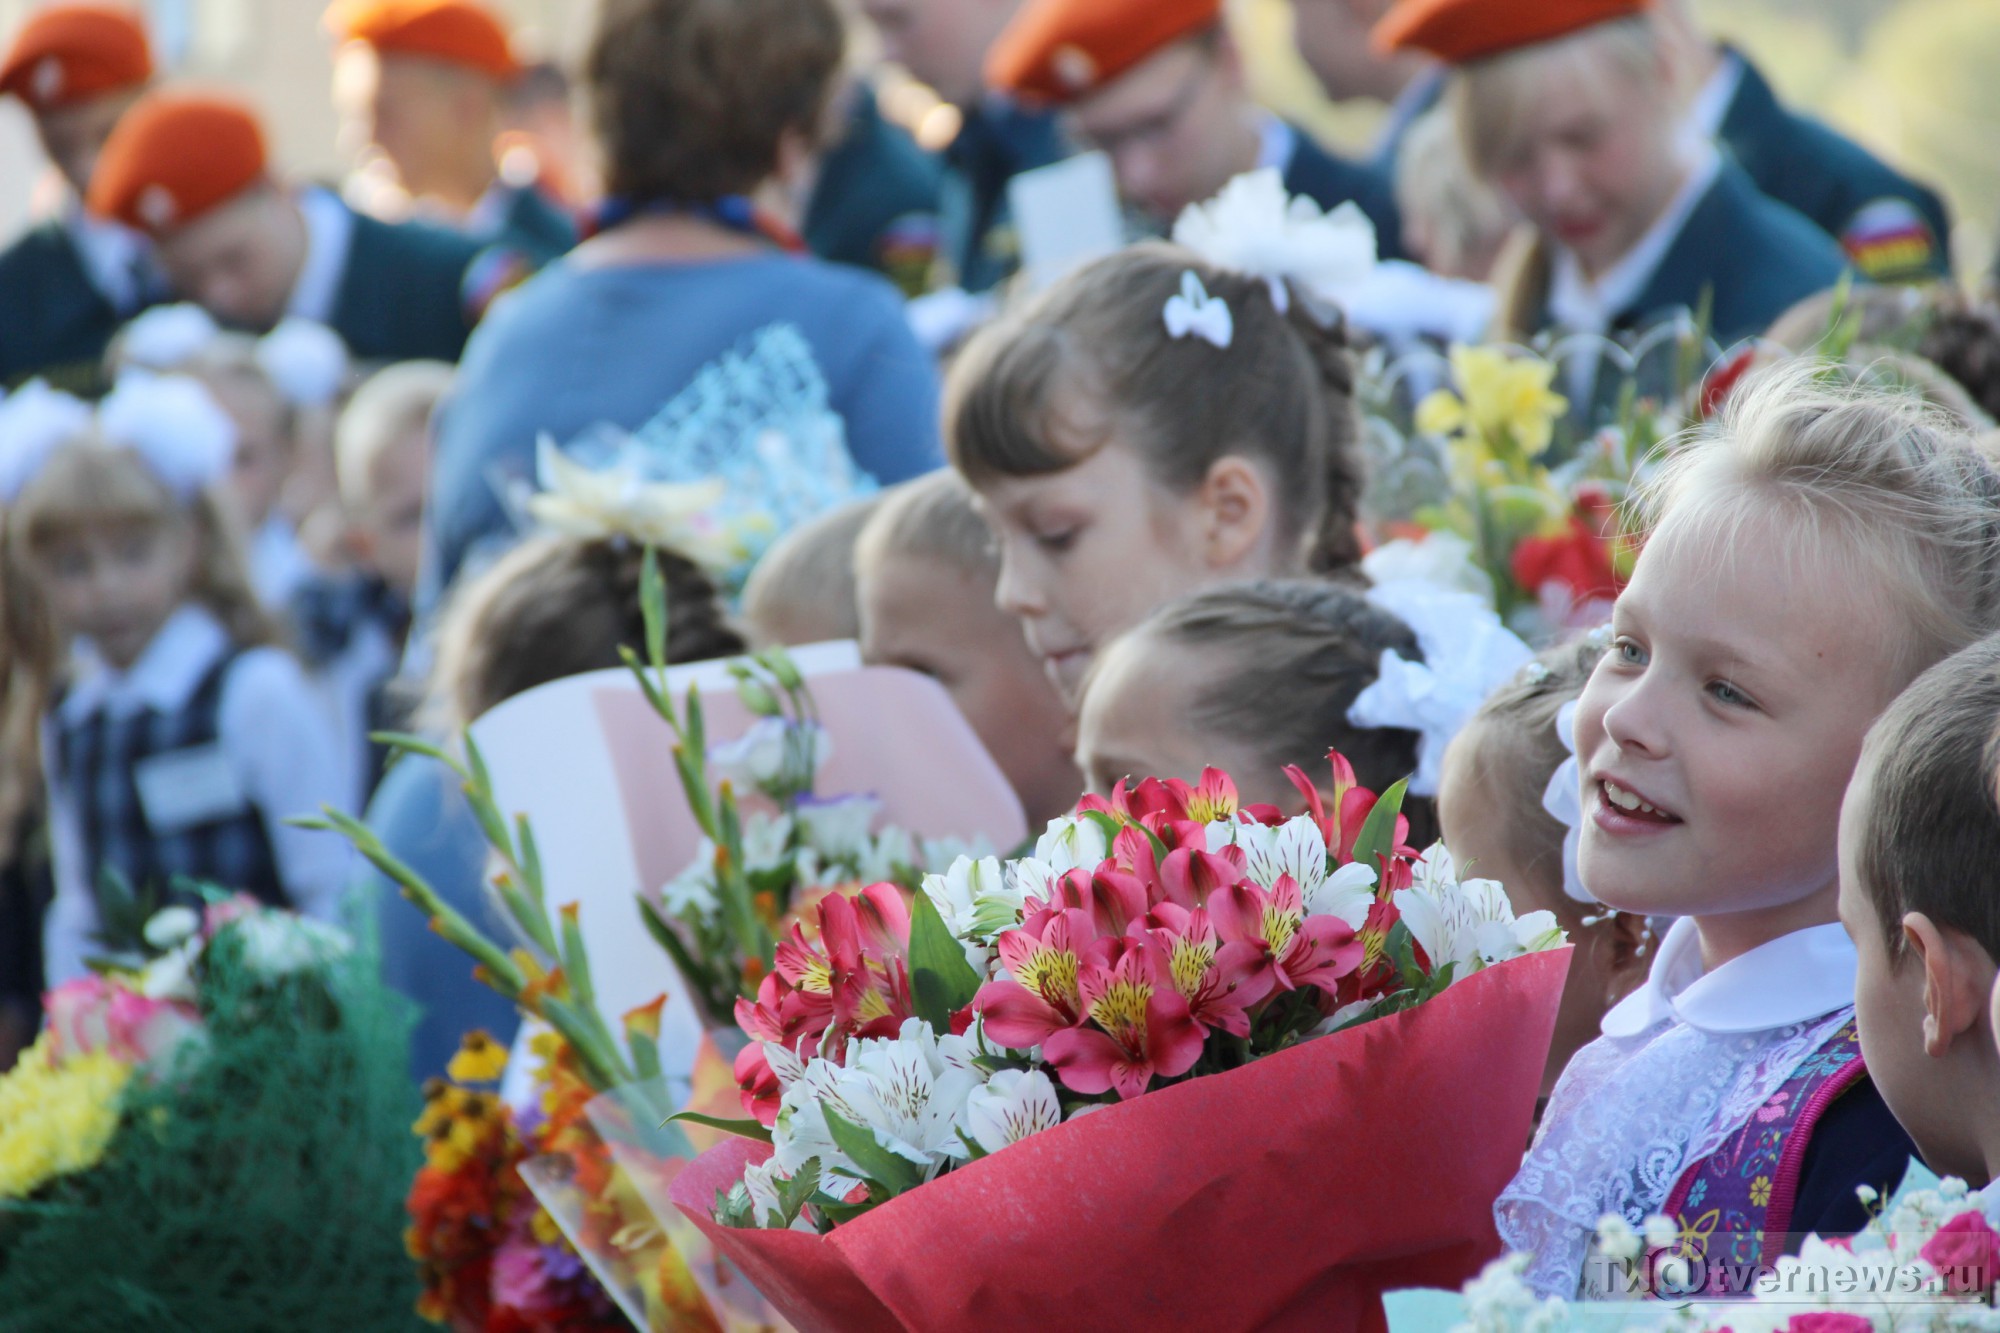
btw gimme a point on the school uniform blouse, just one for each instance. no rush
(1683, 1063)
(278, 744)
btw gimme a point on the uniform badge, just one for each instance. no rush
(157, 207)
(1888, 240)
(1074, 67)
(45, 84)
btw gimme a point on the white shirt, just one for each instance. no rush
(1792, 979)
(1710, 106)
(1684, 1062)
(1581, 304)
(278, 564)
(271, 728)
(114, 256)
(329, 236)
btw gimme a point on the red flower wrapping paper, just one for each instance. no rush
(1289, 1193)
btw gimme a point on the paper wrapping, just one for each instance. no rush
(1286, 1194)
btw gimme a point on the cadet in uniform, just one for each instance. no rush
(190, 171)
(875, 203)
(427, 82)
(1159, 86)
(67, 285)
(944, 43)
(1569, 108)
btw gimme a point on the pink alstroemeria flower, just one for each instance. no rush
(1139, 1024)
(1189, 875)
(1297, 949)
(1219, 981)
(1212, 800)
(1039, 995)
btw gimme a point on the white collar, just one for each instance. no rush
(1792, 979)
(112, 256)
(489, 214)
(1276, 142)
(165, 676)
(1579, 304)
(329, 235)
(1710, 106)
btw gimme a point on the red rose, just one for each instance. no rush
(1965, 1253)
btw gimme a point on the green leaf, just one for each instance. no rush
(531, 860)
(796, 1193)
(895, 1174)
(403, 741)
(715, 996)
(941, 981)
(653, 606)
(742, 1129)
(1378, 832)
(645, 1054)
(971, 1145)
(837, 1211)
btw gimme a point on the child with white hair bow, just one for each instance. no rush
(175, 741)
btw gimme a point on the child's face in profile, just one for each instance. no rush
(1136, 722)
(1718, 735)
(932, 617)
(263, 459)
(1089, 552)
(116, 584)
(388, 526)
(1888, 996)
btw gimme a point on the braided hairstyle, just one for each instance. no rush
(1038, 392)
(1281, 661)
(560, 606)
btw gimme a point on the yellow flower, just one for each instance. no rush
(1499, 398)
(1760, 1191)
(56, 1119)
(544, 1228)
(480, 1059)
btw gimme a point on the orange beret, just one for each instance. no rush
(71, 53)
(1060, 50)
(1457, 31)
(454, 31)
(175, 156)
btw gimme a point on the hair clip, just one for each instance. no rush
(1536, 674)
(1193, 312)
(1600, 638)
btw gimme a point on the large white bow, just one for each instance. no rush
(1255, 227)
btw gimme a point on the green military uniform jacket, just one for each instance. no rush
(528, 221)
(404, 293)
(54, 322)
(978, 245)
(875, 204)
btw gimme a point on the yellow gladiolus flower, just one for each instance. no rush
(1503, 402)
(56, 1119)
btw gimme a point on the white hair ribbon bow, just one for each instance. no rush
(1564, 801)
(1256, 227)
(1194, 312)
(34, 423)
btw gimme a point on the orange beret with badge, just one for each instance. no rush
(174, 157)
(1056, 51)
(1458, 31)
(70, 53)
(454, 32)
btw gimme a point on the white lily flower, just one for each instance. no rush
(171, 975)
(1465, 922)
(839, 828)
(759, 755)
(578, 501)
(1013, 1104)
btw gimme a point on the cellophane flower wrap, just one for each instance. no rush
(1927, 1262)
(215, 1138)
(1187, 1066)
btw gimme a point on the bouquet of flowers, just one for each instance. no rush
(1928, 1262)
(757, 870)
(1175, 1000)
(211, 1137)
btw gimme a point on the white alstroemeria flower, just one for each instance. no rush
(693, 895)
(760, 755)
(172, 925)
(1297, 848)
(1344, 1015)
(279, 944)
(1442, 558)
(1013, 1104)
(1071, 844)
(1465, 922)
(788, 1065)
(885, 851)
(976, 898)
(766, 840)
(171, 975)
(908, 1091)
(838, 829)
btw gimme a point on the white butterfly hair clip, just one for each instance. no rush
(1192, 312)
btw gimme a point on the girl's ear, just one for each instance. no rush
(1235, 500)
(1958, 976)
